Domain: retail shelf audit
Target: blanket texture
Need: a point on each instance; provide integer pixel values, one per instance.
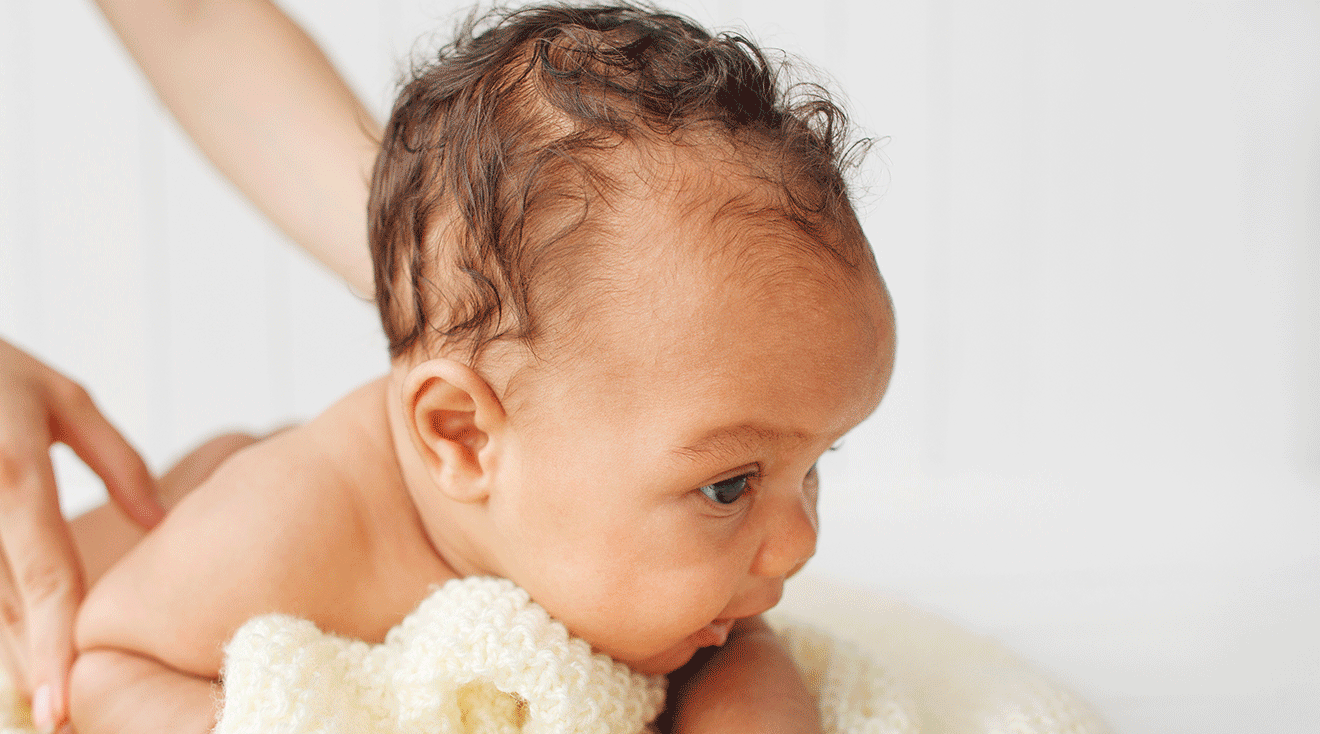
(479, 657)
(476, 656)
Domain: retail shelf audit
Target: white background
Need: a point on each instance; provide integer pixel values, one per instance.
(1100, 225)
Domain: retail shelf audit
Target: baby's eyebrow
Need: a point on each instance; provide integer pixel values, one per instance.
(733, 439)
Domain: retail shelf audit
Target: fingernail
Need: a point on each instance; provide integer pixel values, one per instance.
(42, 715)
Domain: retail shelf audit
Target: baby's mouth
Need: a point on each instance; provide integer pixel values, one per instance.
(713, 634)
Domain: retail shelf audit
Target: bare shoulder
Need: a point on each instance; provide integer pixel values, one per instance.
(276, 528)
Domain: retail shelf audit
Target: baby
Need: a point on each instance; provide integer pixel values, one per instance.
(629, 305)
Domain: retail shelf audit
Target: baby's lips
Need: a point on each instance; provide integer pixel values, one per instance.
(714, 634)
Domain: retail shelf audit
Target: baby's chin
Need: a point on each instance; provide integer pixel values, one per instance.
(667, 661)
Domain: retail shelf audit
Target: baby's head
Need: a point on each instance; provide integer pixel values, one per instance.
(629, 306)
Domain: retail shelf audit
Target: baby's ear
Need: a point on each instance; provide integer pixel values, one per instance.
(457, 424)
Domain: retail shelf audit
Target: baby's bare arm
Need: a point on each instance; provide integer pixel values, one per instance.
(110, 682)
(151, 633)
(102, 536)
(121, 693)
(750, 685)
(120, 682)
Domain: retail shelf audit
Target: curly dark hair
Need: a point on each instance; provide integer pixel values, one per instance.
(480, 209)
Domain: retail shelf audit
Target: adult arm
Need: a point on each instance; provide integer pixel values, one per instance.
(41, 583)
(267, 107)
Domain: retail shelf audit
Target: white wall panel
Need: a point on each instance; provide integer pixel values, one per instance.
(15, 225)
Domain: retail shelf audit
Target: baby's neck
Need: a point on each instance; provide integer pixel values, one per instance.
(444, 521)
(351, 452)
(359, 444)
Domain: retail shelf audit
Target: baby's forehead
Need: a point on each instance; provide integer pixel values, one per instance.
(682, 236)
(701, 306)
(682, 260)
(711, 216)
(709, 277)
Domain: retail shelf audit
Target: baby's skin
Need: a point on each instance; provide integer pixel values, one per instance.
(651, 487)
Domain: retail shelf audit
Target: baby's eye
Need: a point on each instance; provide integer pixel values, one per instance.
(726, 492)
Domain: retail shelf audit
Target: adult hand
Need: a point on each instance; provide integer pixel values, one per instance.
(40, 578)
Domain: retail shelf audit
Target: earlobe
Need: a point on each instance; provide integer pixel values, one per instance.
(456, 423)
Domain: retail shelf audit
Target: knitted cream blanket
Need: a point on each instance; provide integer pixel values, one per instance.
(479, 657)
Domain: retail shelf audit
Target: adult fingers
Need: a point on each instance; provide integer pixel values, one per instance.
(77, 423)
(13, 637)
(15, 669)
(41, 559)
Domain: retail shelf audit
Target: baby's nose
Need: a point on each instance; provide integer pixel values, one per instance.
(790, 538)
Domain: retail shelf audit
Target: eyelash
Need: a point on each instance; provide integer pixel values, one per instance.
(746, 479)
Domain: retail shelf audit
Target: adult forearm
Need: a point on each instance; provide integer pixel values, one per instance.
(269, 109)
